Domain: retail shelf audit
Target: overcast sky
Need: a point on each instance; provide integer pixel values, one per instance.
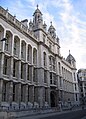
(67, 16)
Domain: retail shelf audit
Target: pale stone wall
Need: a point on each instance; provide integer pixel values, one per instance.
(62, 79)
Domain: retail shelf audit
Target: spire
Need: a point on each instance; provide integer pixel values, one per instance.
(37, 6)
(69, 51)
(51, 23)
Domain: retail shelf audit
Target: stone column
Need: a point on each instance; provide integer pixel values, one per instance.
(48, 95)
(41, 96)
(19, 70)
(25, 94)
(11, 68)
(1, 64)
(9, 91)
(1, 87)
(18, 92)
(31, 74)
(31, 93)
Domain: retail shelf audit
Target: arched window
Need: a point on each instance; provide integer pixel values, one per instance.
(52, 63)
(6, 65)
(16, 46)
(59, 66)
(8, 42)
(23, 50)
(1, 35)
(34, 56)
(29, 54)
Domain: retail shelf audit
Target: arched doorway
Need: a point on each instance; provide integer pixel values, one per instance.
(53, 98)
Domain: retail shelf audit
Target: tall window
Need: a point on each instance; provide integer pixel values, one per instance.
(22, 50)
(29, 54)
(15, 47)
(22, 70)
(45, 94)
(54, 79)
(5, 65)
(45, 76)
(13, 92)
(53, 63)
(14, 68)
(74, 77)
(7, 42)
(51, 82)
(59, 67)
(4, 92)
(60, 81)
(28, 93)
(34, 56)
(22, 93)
(34, 74)
(50, 62)
(28, 72)
(44, 58)
(1, 35)
(76, 97)
(44, 38)
(75, 87)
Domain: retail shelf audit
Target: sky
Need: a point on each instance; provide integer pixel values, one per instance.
(67, 16)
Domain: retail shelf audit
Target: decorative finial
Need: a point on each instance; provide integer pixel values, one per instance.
(14, 15)
(37, 6)
(51, 22)
(69, 51)
(7, 9)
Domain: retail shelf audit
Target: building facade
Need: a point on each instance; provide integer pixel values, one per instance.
(82, 85)
(32, 70)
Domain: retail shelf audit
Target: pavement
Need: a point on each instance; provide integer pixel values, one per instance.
(42, 114)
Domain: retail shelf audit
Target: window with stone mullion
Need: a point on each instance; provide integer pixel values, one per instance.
(4, 92)
(28, 72)
(5, 65)
(15, 47)
(7, 42)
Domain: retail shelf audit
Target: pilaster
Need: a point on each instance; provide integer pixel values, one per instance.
(31, 92)
(1, 87)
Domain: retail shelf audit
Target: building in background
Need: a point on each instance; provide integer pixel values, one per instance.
(32, 71)
(82, 85)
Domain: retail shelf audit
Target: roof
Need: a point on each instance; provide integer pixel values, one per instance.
(37, 11)
(70, 58)
(51, 27)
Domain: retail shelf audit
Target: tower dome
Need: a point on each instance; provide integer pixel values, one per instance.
(37, 17)
(52, 30)
(37, 11)
(71, 59)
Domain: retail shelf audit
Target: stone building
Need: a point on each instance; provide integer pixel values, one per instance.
(32, 71)
(82, 84)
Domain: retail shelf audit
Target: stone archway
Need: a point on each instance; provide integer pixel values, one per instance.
(53, 98)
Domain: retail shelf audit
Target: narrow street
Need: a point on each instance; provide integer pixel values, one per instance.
(71, 115)
(78, 114)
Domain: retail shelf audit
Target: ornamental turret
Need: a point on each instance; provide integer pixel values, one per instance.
(52, 30)
(37, 17)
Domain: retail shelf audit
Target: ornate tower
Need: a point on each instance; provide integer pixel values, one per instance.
(51, 31)
(71, 60)
(37, 18)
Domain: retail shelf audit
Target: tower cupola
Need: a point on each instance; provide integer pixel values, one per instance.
(52, 30)
(37, 17)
